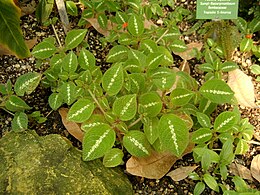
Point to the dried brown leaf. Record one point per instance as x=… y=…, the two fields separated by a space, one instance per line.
x=72 y=127
x=189 y=53
x=241 y=171
x=185 y=67
x=155 y=166
x=95 y=24
x=255 y=167
x=243 y=87
x=181 y=172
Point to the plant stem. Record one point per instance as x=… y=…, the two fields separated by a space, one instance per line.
x=96 y=101
x=135 y=122
x=56 y=35
x=167 y=30
x=7 y=111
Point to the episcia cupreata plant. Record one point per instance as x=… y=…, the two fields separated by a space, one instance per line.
x=11 y=101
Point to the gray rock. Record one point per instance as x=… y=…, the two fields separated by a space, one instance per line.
x=30 y=164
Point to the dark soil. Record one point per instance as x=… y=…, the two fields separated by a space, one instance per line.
x=11 y=68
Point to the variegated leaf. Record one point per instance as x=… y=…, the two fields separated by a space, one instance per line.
x=68 y=91
x=113 y=157
x=150 y=104
x=117 y=53
x=203 y=120
x=135 y=25
x=153 y=60
x=201 y=135
x=55 y=100
x=181 y=96
x=19 y=122
x=86 y=59
x=15 y=104
x=151 y=129
x=94 y=120
x=74 y=38
x=81 y=110
x=178 y=46
x=97 y=141
x=225 y=121
x=43 y=50
x=70 y=62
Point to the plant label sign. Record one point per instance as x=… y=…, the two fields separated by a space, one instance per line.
x=217 y=9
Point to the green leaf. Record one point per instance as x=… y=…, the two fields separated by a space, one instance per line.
x=246 y=45
x=151 y=130
x=223 y=171
x=228 y=66
x=210 y=57
x=68 y=91
x=203 y=120
x=254 y=25
x=199 y=188
x=44 y=50
x=153 y=60
x=137 y=55
x=81 y=110
x=113 y=79
x=102 y=21
x=86 y=59
x=150 y=104
x=174 y=134
x=181 y=96
x=178 y=46
x=133 y=66
x=240 y=184
x=241 y=24
x=10 y=32
x=163 y=78
x=206 y=67
x=242 y=147
x=225 y=121
x=20 y=122
x=74 y=38
x=199 y=152
x=27 y=83
x=206 y=106
x=16 y=104
x=94 y=120
x=55 y=100
x=137 y=82
x=113 y=158
x=136 y=143
x=211 y=182
x=148 y=46
x=217 y=91
x=125 y=107
x=201 y=135
x=226 y=154
x=71 y=8
x=167 y=57
x=117 y=54
x=121 y=17
x=255 y=69
x=135 y=25
x=98 y=141
x=70 y=62
x=43 y=10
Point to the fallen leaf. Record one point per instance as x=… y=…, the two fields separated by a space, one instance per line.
x=28 y=8
x=255 y=167
x=181 y=172
x=257 y=137
x=241 y=171
x=154 y=166
x=95 y=24
x=31 y=43
x=189 y=53
x=72 y=127
x=243 y=87
x=185 y=67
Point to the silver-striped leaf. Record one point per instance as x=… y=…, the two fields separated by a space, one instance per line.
x=113 y=157
x=15 y=104
x=74 y=38
x=55 y=100
x=135 y=25
x=225 y=121
x=86 y=59
x=151 y=129
x=70 y=62
x=117 y=53
x=203 y=119
x=201 y=135
x=44 y=50
x=150 y=104
x=20 y=122
x=181 y=96
x=68 y=92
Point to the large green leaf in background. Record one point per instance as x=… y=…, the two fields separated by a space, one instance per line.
x=10 y=32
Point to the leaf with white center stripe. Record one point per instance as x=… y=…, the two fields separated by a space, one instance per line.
x=153 y=60
x=20 y=122
x=254 y=25
x=113 y=158
x=178 y=46
x=43 y=50
x=74 y=38
x=203 y=119
x=242 y=147
x=136 y=143
x=27 y=83
x=71 y=8
x=206 y=67
x=133 y=66
x=70 y=62
x=150 y=104
x=163 y=78
x=55 y=100
x=94 y=120
x=246 y=45
x=174 y=134
x=113 y=79
x=201 y=136
x=225 y=121
x=210 y=57
x=241 y=24
x=135 y=25
x=148 y=46
x=15 y=104
x=181 y=96
x=217 y=91
x=98 y=141
x=228 y=66
x=86 y=59
x=167 y=59
x=137 y=55
x=125 y=107
x=151 y=129
x=121 y=17
x=81 y=110
x=137 y=82
x=117 y=53
x=102 y=21
x=68 y=92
